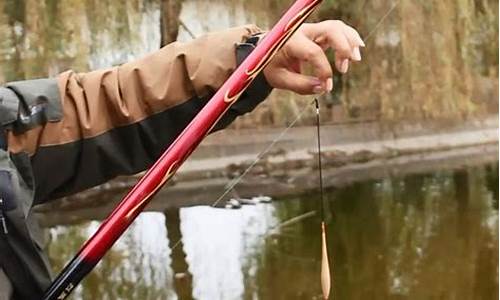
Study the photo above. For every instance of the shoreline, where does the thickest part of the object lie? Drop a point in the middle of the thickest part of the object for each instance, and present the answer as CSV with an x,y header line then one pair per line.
x,y
282,172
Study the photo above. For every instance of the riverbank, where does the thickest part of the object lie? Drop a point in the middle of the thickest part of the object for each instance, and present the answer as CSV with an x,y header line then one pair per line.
x,y
352,152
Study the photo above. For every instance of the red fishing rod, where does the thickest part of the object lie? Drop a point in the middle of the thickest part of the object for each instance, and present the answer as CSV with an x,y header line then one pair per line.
x,y
140,195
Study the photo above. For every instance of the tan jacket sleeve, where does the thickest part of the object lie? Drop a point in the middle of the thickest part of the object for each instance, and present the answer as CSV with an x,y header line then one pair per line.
x,y
118,120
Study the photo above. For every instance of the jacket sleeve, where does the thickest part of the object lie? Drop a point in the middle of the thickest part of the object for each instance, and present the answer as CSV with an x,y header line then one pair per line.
x,y
82,129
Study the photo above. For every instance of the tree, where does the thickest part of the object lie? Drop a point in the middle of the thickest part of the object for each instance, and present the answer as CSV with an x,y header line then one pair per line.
x,y
170,11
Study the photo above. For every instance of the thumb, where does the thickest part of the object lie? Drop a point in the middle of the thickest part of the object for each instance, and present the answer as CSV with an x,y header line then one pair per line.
x,y
285,79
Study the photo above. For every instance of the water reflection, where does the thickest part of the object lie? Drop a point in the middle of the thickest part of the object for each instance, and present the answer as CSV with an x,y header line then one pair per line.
x,y
221,247
180,267
419,237
138,266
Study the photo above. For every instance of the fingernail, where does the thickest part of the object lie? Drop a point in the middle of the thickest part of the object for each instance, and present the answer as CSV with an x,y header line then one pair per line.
x,y
315,81
361,43
344,66
318,90
329,84
356,55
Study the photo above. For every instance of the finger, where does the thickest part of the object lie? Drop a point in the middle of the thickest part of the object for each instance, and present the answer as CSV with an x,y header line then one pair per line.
x,y
322,42
354,40
353,36
295,82
337,39
303,49
342,64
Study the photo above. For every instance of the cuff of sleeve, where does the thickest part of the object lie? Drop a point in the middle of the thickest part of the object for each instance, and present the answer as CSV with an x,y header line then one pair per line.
x,y
30,103
260,88
257,92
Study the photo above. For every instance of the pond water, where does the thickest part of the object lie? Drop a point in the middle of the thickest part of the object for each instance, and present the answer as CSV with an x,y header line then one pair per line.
x,y
432,236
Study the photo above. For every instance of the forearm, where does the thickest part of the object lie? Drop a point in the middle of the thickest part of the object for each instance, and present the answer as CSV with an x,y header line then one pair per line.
x,y
118,121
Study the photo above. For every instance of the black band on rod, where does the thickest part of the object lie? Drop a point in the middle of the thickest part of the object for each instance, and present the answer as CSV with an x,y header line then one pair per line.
x,y
69,278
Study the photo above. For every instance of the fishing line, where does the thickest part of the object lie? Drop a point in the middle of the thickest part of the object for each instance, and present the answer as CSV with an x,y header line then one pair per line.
x,y
322,197
381,21
260,155
234,182
280,136
325,265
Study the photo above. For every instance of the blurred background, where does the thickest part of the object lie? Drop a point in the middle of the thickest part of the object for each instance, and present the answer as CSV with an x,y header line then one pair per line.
x,y
411,157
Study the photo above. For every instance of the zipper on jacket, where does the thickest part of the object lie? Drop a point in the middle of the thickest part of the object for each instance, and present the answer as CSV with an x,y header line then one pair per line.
x,y
3,222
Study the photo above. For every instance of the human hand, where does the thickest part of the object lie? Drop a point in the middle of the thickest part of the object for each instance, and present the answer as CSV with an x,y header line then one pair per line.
x,y
308,45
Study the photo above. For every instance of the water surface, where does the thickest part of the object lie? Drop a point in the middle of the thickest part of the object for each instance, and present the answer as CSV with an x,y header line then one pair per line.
x,y
428,236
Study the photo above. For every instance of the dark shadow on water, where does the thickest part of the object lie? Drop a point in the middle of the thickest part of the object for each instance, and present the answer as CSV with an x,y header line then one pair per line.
x,y
492,183
182,277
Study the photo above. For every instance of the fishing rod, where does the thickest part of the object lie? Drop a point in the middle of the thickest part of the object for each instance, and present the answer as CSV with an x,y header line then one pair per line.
x,y
165,167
